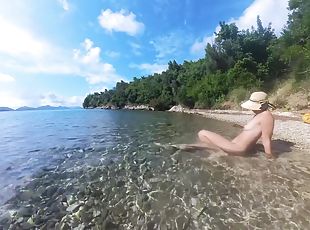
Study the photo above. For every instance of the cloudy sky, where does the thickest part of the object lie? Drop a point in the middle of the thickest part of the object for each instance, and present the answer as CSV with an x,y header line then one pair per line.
x,y
57,51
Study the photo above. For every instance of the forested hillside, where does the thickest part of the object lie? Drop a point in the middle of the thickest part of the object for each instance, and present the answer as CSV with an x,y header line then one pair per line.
x,y
237,63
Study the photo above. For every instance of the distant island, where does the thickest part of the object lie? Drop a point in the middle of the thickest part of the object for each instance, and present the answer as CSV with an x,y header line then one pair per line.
x,y
45,107
6,109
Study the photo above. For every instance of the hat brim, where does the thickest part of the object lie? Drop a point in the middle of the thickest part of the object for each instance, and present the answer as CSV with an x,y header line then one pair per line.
x,y
250,105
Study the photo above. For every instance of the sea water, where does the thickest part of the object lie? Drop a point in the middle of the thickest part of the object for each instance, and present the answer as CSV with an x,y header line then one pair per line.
x,y
103,167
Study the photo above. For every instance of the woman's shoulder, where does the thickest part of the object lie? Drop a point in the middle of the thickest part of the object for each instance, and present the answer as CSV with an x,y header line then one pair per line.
x,y
266,115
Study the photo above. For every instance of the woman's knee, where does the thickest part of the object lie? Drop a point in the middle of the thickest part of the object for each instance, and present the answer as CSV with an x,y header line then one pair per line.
x,y
203,133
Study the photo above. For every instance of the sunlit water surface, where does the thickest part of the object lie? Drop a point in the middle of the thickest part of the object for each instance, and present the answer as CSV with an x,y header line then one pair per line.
x,y
66,156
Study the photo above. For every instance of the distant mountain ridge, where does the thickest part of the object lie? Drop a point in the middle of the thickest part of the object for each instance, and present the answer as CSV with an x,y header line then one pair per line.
x,y
45,107
24,108
6,109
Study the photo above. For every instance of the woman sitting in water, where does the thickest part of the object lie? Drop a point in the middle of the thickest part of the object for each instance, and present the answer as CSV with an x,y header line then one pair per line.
x,y
261,126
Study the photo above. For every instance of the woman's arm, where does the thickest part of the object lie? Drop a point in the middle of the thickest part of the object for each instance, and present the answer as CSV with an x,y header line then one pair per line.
x,y
267,123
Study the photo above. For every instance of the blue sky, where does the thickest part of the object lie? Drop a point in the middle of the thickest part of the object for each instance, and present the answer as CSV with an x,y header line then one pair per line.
x,y
57,51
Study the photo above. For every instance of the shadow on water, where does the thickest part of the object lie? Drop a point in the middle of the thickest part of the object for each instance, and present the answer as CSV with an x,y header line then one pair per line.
x,y
278,147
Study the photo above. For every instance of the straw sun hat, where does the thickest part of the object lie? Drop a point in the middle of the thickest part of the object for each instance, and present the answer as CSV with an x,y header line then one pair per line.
x,y
256,102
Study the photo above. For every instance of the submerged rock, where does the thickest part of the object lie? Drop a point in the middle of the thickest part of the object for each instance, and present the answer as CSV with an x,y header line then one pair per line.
x,y
166,190
177,108
25,211
73,207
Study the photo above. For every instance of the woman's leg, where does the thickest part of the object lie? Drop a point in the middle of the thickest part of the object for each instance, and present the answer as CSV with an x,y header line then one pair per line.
x,y
200,145
216,140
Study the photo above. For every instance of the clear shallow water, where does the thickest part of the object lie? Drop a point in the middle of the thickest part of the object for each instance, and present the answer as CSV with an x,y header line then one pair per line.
x,y
103,168
31,140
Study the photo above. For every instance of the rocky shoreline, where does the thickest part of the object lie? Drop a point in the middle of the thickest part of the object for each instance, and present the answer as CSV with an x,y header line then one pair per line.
x,y
288,125
126,107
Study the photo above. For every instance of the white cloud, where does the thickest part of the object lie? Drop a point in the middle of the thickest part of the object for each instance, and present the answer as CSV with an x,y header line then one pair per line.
x,y
58,100
66,67
199,46
136,48
105,72
11,99
92,54
92,67
5,78
88,44
167,45
64,4
270,11
112,54
274,11
15,98
150,68
74,100
51,99
19,42
121,21
23,52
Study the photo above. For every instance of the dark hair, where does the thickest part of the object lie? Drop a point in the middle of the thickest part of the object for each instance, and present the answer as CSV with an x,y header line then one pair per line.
x,y
264,106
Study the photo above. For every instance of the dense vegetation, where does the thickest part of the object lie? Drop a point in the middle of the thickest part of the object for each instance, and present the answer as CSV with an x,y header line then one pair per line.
x,y
236,63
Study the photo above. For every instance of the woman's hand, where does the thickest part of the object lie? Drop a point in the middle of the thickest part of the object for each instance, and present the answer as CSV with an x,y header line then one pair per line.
x,y
270,156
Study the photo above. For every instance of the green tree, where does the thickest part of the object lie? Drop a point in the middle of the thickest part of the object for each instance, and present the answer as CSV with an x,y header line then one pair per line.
x,y
294,45
237,61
